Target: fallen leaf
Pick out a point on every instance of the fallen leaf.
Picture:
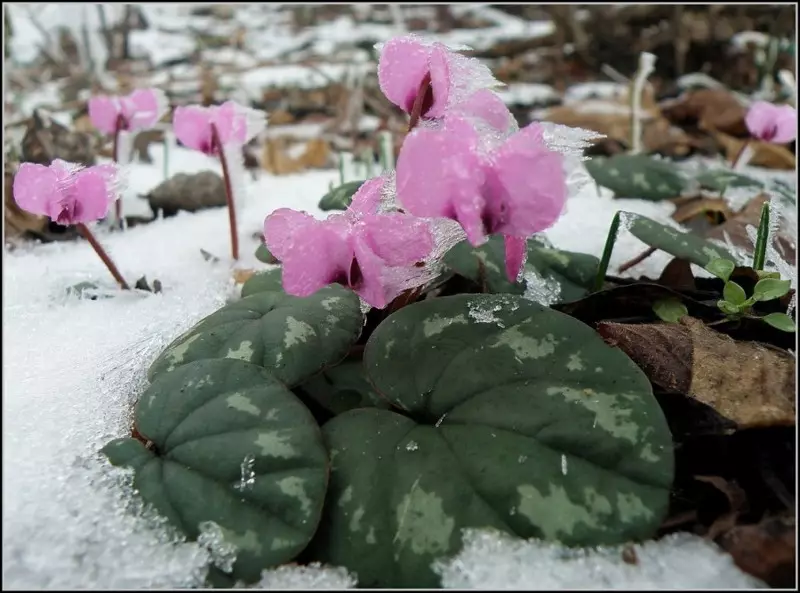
(737, 503)
(698, 206)
(709, 109)
(765, 550)
(242, 276)
(765, 154)
(746, 382)
(678, 274)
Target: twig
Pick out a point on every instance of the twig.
(638, 259)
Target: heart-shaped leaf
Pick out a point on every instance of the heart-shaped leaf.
(264, 255)
(339, 198)
(567, 276)
(267, 281)
(342, 388)
(236, 459)
(521, 419)
(682, 245)
(768, 289)
(291, 336)
(637, 176)
(721, 179)
(781, 321)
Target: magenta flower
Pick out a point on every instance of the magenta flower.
(235, 124)
(66, 193)
(515, 189)
(772, 123)
(407, 62)
(374, 254)
(140, 110)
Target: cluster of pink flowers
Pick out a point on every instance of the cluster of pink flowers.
(465, 161)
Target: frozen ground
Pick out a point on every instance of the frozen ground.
(73, 369)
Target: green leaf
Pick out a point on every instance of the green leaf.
(768, 289)
(568, 274)
(721, 268)
(342, 388)
(762, 237)
(339, 198)
(637, 176)
(734, 294)
(721, 179)
(764, 274)
(727, 308)
(236, 453)
(263, 255)
(291, 336)
(780, 321)
(682, 245)
(521, 419)
(670, 310)
(267, 281)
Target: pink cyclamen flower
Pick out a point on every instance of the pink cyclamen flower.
(374, 254)
(139, 110)
(65, 192)
(235, 124)
(772, 123)
(458, 84)
(516, 189)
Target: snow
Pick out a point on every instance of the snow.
(682, 561)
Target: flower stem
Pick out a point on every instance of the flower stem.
(424, 91)
(115, 155)
(87, 234)
(228, 192)
(737, 161)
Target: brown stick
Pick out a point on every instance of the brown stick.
(638, 259)
(115, 154)
(419, 100)
(87, 234)
(228, 192)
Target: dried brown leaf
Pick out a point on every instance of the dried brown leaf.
(766, 154)
(746, 382)
(709, 109)
(766, 550)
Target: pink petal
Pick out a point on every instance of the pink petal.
(313, 253)
(516, 250)
(367, 199)
(370, 285)
(398, 239)
(192, 126)
(36, 189)
(786, 124)
(439, 174)
(526, 189)
(759, 119)
(103, 112)
(92, 195)
(144, 108)
(487, 106)
(230, 124)
(402, 66)
(441, 80)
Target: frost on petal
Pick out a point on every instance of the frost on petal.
(237, 124)
(103, 112)
(313, 253)
(402, 66)
(36, 189)
(441, 82)
(192, 127)
(525, 188)
(486, 106)
(439, 174)
(144, 108)
(398, 239)
(516, 251)
(367, 199)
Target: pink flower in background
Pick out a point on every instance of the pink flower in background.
(406, 62)
(140, 110)
(772, 123)
(66, 193)
(516, 189)
(371, 253)
(235, 124)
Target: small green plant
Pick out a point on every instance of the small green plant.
(736, 304)
(670, 310)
